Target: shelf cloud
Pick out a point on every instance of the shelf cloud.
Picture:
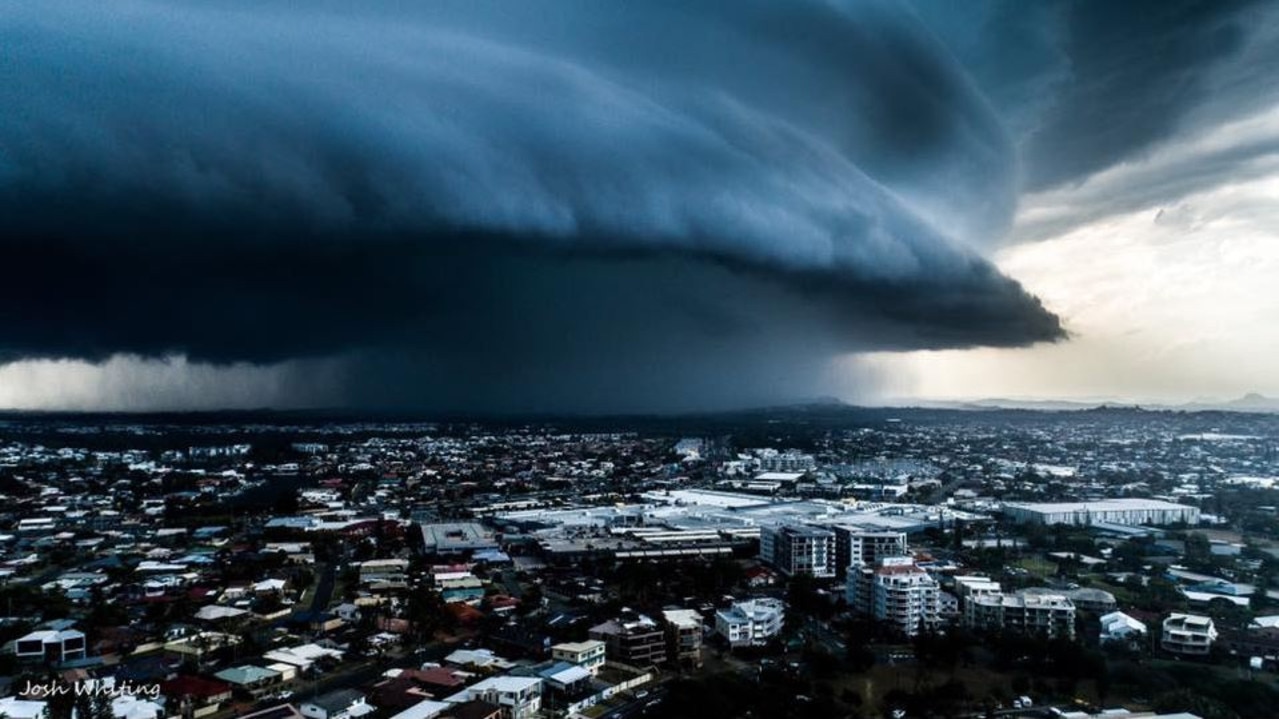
(502, 204)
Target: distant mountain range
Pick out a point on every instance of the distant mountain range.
(1251, 402)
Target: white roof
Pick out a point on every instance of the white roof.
(506, 684)
(423, 710)
(570, 675)
(214, 611)
(16, 708)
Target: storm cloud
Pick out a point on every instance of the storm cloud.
(502, 205)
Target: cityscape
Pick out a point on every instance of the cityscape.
(816, 560)
(661, 359)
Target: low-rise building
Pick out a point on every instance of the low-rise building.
(50, 645)
(752, 622)
(338, 704)
(1117, 627)
(588, 655)
(519, 697)
(1050, 615)
(683, 637)
(1188, 634)
(633, 639)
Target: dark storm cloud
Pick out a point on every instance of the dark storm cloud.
(1089, 84)
(500, 203)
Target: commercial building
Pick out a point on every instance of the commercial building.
(1188, 634)
(752, 622)
(633, 639)
(455, 538)
(1049, 615)
(895, 591)
(793, 549)
(1109, 511)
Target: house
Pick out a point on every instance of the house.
(50, 645)
(383, 570)
(252, 679)
(519, 697)
(1118, 627)
(479, 659)
(202, 695)
(588, 655)
(1188, 634)
(338, 704)
(425, 709)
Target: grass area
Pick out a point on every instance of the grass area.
(1123, 595)
(1037, 566)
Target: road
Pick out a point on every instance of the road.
(324, 588)
(639, 706)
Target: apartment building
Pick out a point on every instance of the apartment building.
(794, 549)
(683, 637)
(1050, 615)
(752, 622)
(855, 546)
(633, 639)
(897, 591)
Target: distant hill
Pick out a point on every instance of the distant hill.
(1251, 402)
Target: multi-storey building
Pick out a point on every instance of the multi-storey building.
(855, 546)
(518, 697)
(1188, 634)
(897, 591)
(588, 655)
(1050, 615)
(793, 549)
(683, 637)
(633, 639)
(752, 622)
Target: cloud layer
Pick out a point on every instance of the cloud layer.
(474, 198)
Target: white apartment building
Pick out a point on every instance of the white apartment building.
(793, 550)
(751, 622)
(588, 655)
(1051, 615)
(895, 591)
(1188, 634)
